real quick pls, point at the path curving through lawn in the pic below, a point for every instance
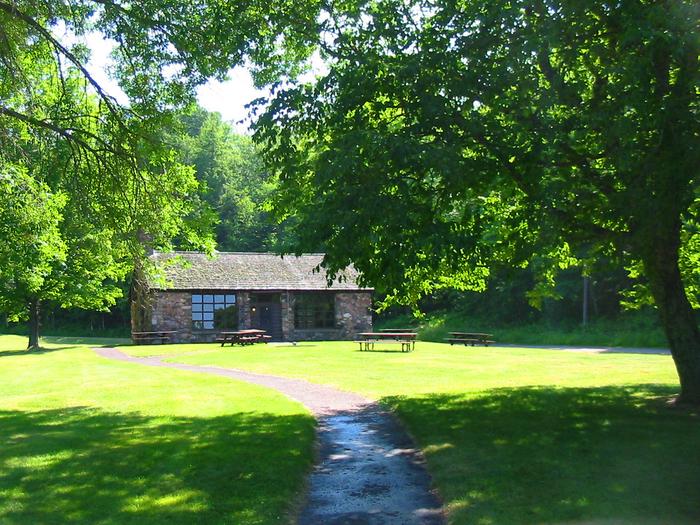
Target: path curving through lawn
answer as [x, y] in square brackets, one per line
[368, 470]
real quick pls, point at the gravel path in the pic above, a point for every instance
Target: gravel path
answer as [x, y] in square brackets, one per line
[368, 470]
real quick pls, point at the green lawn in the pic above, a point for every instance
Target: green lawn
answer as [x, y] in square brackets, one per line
[629, 329]
[517, 436]
[87, 440]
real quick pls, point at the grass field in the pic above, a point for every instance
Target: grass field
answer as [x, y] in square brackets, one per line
[517, 436]
[631, 329]
[86, 440]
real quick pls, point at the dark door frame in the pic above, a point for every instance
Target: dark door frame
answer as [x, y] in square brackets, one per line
[266, 313]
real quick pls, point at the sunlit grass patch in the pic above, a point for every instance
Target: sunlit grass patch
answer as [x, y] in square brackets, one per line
[519, 436]
[559, 455]
[88, 440]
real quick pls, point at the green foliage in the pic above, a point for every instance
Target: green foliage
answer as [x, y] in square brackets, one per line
[448, 137]
[631, 330]
[105, 201]
[237, 184]
[689, 257]
[120, 184]
[32, 251]
[451, 136]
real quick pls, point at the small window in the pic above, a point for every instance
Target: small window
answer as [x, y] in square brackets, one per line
[214, 311]
[314, 310]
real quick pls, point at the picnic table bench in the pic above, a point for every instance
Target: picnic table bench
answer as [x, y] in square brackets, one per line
[369, 339]
[243, 337]
[156, 336]
[470, 338]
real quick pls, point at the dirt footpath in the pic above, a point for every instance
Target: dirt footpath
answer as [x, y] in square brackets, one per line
[368, 470]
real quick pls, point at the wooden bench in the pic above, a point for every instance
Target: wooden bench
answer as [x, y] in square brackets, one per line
[243, 337]
[407, 340]
[470, 338]
[158, 336]
[368, 344]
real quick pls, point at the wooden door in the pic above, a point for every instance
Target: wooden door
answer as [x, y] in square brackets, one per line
[266, 314]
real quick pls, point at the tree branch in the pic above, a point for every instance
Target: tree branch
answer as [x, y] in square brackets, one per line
[46, 34]
[46, 125]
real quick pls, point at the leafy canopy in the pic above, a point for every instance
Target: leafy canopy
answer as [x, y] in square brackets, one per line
[448, 136]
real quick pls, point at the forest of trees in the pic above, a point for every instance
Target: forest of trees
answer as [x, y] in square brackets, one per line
[238, 188]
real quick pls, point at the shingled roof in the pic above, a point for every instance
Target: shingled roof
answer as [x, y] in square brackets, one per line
[248, 271]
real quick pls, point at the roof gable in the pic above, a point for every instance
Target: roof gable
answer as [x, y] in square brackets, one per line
[248, 271]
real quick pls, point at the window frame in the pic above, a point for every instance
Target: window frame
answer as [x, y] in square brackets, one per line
[203, 307]
[312, 312]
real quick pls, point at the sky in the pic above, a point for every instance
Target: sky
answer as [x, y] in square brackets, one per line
[228, 98]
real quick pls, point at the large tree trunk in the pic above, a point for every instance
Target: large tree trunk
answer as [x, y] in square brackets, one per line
[34, 319]
[677, 316]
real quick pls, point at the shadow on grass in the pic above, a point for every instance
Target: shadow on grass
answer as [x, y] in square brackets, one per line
[549, 455]
[34, 351]
[90, 340]
[383, 351]
[82, 465]
[18, 348]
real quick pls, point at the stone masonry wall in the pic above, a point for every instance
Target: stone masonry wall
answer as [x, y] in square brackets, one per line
[243, 302]
[287, 316]
[172, 311]
[352, 315]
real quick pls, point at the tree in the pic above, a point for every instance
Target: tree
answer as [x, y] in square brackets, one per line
[237, 183]
[110, 187]
[120, 183]
[90, 245]
[32, 247]
[447, 136]
[164, 49]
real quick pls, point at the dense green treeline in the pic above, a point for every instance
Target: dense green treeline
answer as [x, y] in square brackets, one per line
[509, 309]
[237, 185]
[233, 190]
[111, 188]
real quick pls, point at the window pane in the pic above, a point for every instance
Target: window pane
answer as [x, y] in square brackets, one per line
[196, 298]
[208, 298]
[208, 316]
[314, 310]
[197, 307]
[197, 325]
[208, 307]
[196, 316]
[230, 299]
[226, 318]
[218, 298]
[219, 306]
[208, 325]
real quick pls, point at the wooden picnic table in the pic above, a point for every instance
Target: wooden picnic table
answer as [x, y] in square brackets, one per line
[159, 336]
[243, 337]
[369, 339]
[470, 338]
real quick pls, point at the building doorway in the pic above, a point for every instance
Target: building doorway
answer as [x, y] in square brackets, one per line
[266, 314]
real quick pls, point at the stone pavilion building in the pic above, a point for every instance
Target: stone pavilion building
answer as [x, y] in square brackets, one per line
[290, 297]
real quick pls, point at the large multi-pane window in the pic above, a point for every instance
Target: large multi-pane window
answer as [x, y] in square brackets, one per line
[214, 311]
[314, 310]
